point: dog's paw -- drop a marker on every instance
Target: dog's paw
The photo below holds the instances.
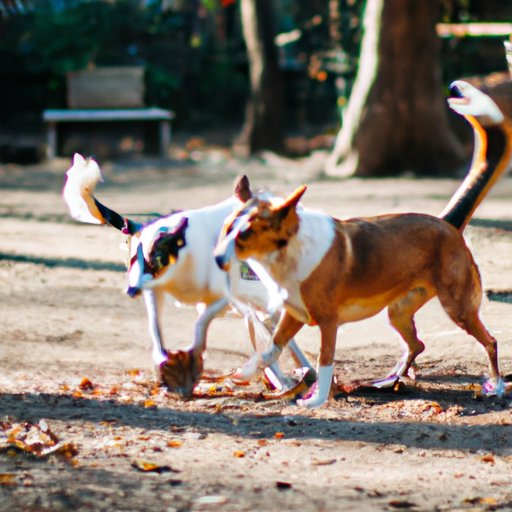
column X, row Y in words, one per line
column 181, row 371
column 494, row 387
column 313, row 399
column 388, row 382
column 249, row 369
column 312, row 403
column 413, row 371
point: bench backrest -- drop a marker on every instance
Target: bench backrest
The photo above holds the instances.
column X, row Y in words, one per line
column 106, row 87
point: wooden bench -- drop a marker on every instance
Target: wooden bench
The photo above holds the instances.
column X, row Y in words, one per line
column 52, row 117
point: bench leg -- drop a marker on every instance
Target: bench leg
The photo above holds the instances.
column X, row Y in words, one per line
column 165, row 137
column 51, row 140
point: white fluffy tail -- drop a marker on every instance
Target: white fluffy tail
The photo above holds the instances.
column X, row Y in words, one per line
column 82, row 178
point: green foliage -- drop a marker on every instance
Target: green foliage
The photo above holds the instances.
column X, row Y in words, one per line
column 193, row 52
column 60, row 40
column 58, row 37
column 222, row 89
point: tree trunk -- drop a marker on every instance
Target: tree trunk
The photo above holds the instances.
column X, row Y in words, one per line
column 264, row 119
column 396, row 119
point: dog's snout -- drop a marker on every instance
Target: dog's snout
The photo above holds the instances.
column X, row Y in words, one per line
column 224, row 252
column 455, row 91
column 133, row 291
column 221, row 263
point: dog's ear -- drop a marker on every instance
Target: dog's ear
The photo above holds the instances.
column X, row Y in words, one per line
column 243, row 189
column 168, row 244
column 78, row 159
column 290, row 203
column 294, row 198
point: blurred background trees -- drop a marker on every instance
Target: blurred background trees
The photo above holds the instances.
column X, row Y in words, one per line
column 396, row 119
column 201, row 61
column 264, row 116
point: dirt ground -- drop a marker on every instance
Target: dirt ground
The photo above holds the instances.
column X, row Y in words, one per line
column 83, row 427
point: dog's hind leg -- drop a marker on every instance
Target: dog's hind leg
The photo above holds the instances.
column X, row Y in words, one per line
column 463, row 309
column 474, row 326
column 401, row 316
column 154, row 300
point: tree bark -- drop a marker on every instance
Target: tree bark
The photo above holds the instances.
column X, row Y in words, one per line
column 396, row 119
column 264, row 118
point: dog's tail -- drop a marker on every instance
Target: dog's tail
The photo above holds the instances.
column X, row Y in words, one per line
column 492, row 128
column 82, row 178
column 508, row 54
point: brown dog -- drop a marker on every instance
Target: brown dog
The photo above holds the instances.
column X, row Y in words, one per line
column 332, row 271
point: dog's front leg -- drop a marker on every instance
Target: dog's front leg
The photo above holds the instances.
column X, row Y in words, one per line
column 260, row 334
column 154, row 300
column 202, row 323
column 320, row 391
column 286, row 329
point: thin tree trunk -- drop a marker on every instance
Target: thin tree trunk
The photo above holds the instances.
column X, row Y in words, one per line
column 264, row 121
column 396, row 120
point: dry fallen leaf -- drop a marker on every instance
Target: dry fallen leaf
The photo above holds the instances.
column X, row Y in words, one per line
column 114, row 390
column 147, row 466
column 86, row 384
column 65, row 451
column 239, row 454
column 323, row 462
column 489, row 458
column 402, row 504
column 8, row 479
column 155, row 391
column 434, row 407
column 279, row 435
column 174, row 443
column 477, row 390
column 133, row 372
column 481, row 501
column 35, row 441
column 215, row 499
column 347, row 388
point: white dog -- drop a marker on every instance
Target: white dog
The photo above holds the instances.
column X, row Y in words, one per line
column 174, row 255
